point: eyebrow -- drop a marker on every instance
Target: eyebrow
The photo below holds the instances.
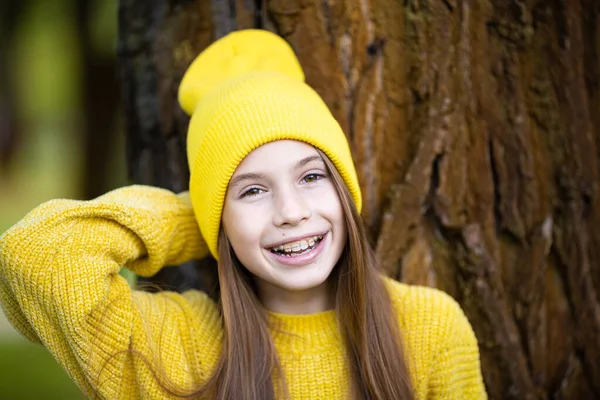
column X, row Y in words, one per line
column 307, row 160
column 257, row 176
column 244, row 177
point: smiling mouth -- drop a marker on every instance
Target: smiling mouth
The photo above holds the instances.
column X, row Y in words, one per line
column 297, row 248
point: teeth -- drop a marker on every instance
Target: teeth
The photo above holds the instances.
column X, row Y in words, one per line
column 300, row 245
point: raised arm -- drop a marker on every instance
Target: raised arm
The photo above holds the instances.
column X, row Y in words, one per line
column 60, row 285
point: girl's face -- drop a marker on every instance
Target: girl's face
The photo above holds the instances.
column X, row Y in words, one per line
column 284, row 219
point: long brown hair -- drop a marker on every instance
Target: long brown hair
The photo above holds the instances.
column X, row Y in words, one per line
column 365, row 313
column 248, row 363
column 248, row 367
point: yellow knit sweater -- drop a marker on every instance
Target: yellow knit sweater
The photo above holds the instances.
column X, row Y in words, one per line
column 60, row 286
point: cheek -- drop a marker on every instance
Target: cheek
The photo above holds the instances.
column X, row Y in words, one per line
column 330, row 208
column 242, row 226
column 329, row 204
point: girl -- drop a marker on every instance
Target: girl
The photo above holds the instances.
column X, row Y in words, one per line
column 303, row 311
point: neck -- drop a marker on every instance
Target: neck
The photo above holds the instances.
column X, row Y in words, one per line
column 284, row 301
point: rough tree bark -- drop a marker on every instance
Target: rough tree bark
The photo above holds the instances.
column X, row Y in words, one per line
column 475, row 129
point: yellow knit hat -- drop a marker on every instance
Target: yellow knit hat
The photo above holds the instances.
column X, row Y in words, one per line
column 243, row 91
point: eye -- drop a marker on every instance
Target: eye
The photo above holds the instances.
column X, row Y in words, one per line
column 310, row 178
column 252, row 192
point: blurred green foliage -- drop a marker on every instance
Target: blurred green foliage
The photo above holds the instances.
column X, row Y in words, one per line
column 45, row 64
column 28, row 372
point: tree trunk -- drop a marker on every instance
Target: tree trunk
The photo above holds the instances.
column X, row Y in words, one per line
column 474, row 126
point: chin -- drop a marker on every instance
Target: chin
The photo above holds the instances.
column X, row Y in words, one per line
column 301, row 281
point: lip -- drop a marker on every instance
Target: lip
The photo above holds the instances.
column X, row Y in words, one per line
column 294, row 239
column 304, row 258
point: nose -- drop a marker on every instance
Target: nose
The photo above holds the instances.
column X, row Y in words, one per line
column 291, row 209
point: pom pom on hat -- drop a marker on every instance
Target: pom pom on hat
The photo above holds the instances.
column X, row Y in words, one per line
column 243, row 91
column 235, row 55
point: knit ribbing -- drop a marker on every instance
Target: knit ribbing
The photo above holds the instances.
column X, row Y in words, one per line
column 59, row 286
column 304, row 334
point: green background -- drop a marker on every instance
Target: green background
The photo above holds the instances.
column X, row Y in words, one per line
column 44, row 63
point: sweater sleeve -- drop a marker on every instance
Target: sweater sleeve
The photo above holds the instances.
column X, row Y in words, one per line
column 60, row 286
column 456, row 373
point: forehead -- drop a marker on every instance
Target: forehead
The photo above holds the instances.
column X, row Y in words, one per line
column 276, row 155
